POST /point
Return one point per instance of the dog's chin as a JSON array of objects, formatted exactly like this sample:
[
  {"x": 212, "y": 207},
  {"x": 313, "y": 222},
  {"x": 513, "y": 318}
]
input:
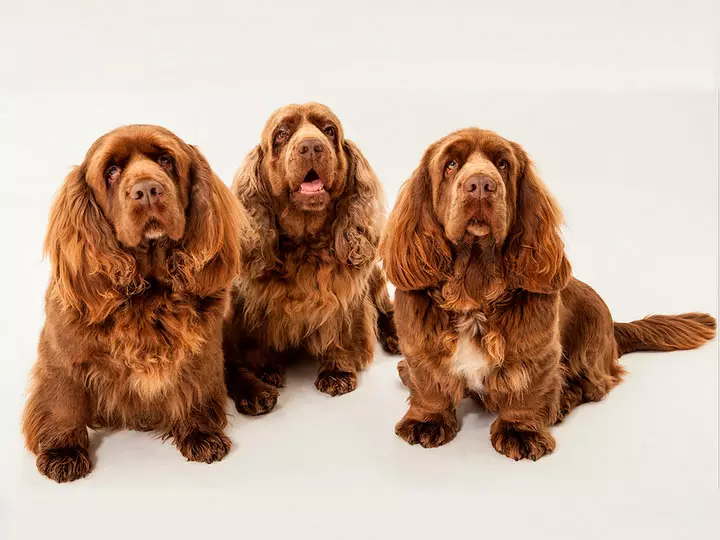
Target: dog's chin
[
  {"x": 474, "y": 231},
  {"x": 154, "y": 234},
  {"x": 153, "y": 230},
  {"x": 311, "y": 202},
  {"x": 478, "y": 229}
]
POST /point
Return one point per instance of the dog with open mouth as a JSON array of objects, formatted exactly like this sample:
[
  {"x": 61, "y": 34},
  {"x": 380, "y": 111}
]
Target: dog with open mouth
[{"x": 313, "y": 287}]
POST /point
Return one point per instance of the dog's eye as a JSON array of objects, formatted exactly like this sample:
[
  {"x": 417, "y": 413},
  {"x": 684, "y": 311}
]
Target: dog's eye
[
  {"x": 502, "y": 165},
  {"x": 112, "y": 173},
  {"x": 166, "y": 162},
  {"x": 450, "y": 166},
  {"x": 330, "y": 131},
  {"x": 280, "y": 136}
]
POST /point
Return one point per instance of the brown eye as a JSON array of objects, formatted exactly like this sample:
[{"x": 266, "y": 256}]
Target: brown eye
[
  {"x": 280, "y": 136},
  {"x": 112, "y": 173},
  {"x": 502, "y": 165},
  {"x": 450, "y": 166},
  {"x": 330, "y": 131},
  {"x": 166, "y": 162}
]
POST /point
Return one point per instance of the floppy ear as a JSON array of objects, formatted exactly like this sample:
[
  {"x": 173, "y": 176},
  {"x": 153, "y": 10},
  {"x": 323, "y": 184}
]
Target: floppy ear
[
  {"x": 91, "y": 273},
  {"x": 415, "y": 253},
  {"x": 535, "y": 251},
  {"x": 215, "y": 234},
  {"x": 252, "y": 192},
  {"x": 360, "y": 211}
]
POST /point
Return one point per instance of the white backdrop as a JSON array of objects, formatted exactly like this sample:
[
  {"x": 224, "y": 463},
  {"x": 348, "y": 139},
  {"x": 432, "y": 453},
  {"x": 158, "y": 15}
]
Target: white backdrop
[{"x": 616, "y": 101}]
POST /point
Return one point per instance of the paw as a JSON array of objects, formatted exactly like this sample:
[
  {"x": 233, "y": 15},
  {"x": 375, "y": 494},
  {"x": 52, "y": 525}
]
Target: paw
[
  {"x": 64, "y": 464},
  {"x": 390, "y": 345},
  {"x": 428, "y": 434},
  {"x": 273, "y": 378},
  {"x": 336, "y": 383},
  {"x": 262, "y": 401},
  {"x": 517, "y": 444},
  {"x": 387, "y": 332},
  {"x": 204, "y": 447},
  {"x": 404, "y": 372}
]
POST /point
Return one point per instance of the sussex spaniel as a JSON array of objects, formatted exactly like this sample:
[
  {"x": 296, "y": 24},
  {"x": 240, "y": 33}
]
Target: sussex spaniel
[
  {"x": 144, "y": 241},
  {"x": 486, "y": 304},
  {"x": 313, "y": 285}
]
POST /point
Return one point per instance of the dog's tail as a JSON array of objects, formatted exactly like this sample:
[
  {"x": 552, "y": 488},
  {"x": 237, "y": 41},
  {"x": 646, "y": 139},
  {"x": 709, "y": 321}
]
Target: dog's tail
[
  {"x": 664, "y": 333},
  {"x": 386, "y": 330}
]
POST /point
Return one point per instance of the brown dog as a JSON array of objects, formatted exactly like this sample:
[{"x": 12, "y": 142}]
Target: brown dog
[
  {"x": 144, "y": 241},
  {"x": 314, "y": 285},
  {"x": 486, "y": 303}
]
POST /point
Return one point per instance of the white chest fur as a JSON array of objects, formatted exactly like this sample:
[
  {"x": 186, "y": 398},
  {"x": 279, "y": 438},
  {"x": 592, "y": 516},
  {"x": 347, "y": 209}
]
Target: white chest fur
[{"x": 469, "y": 362}]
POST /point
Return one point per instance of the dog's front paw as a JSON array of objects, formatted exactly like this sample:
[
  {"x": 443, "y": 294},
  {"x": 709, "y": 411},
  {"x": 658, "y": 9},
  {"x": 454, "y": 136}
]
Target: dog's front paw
[
  {"x": 390, "y": 344},
  {"x": 387, "y": 333},
  {"x": 517, "y": 444},
  {"x": 64, "y": 464},
  {"x": 273, "y": 378},
  {"x": 403, "y": 370},
  {"x": 204, "y": 447},
  {"x": 336, "y": 383},
  {"x": 429, "y": 433},
  {"x": 261, "y": 401}
]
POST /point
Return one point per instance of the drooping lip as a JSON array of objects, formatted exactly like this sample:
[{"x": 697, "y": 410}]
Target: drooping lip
[
  {"x": 154, "y": 229},
  {"x": 478, "y": 228},
  {"x": 312, "y": 184}
]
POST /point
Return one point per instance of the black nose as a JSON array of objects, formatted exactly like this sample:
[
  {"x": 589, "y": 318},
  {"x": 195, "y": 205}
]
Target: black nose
[
  {"x": 480, "y": 186},
  {"x": 310, "y": 148},
  {"x": 146, "y": 192}
]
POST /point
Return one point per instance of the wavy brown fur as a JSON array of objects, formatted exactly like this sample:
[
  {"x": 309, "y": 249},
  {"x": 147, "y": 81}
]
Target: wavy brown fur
[
  {"x": 314, "y": 286},
  {"x": 132, "y": 336},
  {"x": 664, "y": 333},
  {"x": 495, "y": 313}
]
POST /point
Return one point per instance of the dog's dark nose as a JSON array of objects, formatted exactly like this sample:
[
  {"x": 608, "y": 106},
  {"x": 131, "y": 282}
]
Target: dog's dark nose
[
  {"x": 480, "y": 186},
  {"x": 310, "y": 148},
  {"x": 146, "y": 192}
]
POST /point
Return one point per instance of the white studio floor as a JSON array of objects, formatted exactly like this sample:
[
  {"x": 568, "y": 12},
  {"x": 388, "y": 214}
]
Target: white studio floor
[
  {"x": 636, "y": 176},
  {"x": 315, "y": 455}
]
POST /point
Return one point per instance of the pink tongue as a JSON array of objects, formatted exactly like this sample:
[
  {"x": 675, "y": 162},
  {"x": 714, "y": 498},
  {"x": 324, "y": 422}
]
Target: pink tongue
[{"x": 311, "y": 187}]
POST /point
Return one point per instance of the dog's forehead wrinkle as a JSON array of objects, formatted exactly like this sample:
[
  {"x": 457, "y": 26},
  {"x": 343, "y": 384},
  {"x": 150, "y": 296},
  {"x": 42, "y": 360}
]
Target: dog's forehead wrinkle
[
  {"x": 306, "y": 129},
  {"x": 473, "y": 140},
  {"x": 301, "y": 114},
  {"x": 288, "y": 120},
  {"x": 478, "y": 157},
  {"x": 127, "y": 151},
  {"x": 281, "y": 118}
]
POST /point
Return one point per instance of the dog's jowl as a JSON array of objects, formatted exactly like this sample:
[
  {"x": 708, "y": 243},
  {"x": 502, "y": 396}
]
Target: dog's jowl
[
  {"x": 313, "y": 287},
  {"x": 144, "y": 241},
  {"x": 486, "y": 304}
]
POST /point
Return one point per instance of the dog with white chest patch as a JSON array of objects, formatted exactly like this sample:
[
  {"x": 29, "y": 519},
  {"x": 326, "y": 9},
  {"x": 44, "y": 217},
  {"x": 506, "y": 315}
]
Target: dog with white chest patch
[{"x": 486, "y": 304}]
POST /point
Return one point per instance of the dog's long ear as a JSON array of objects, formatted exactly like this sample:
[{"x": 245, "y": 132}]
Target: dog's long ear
[
  {"x": 361, "y": 211},
  {"x": 215, "y": 234},
  {"x": 256, "y": 201},
  {"x": 91, "y": 273},
  {"x": 534, "y": 250},
  {"x": 413, "y": 248}
]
